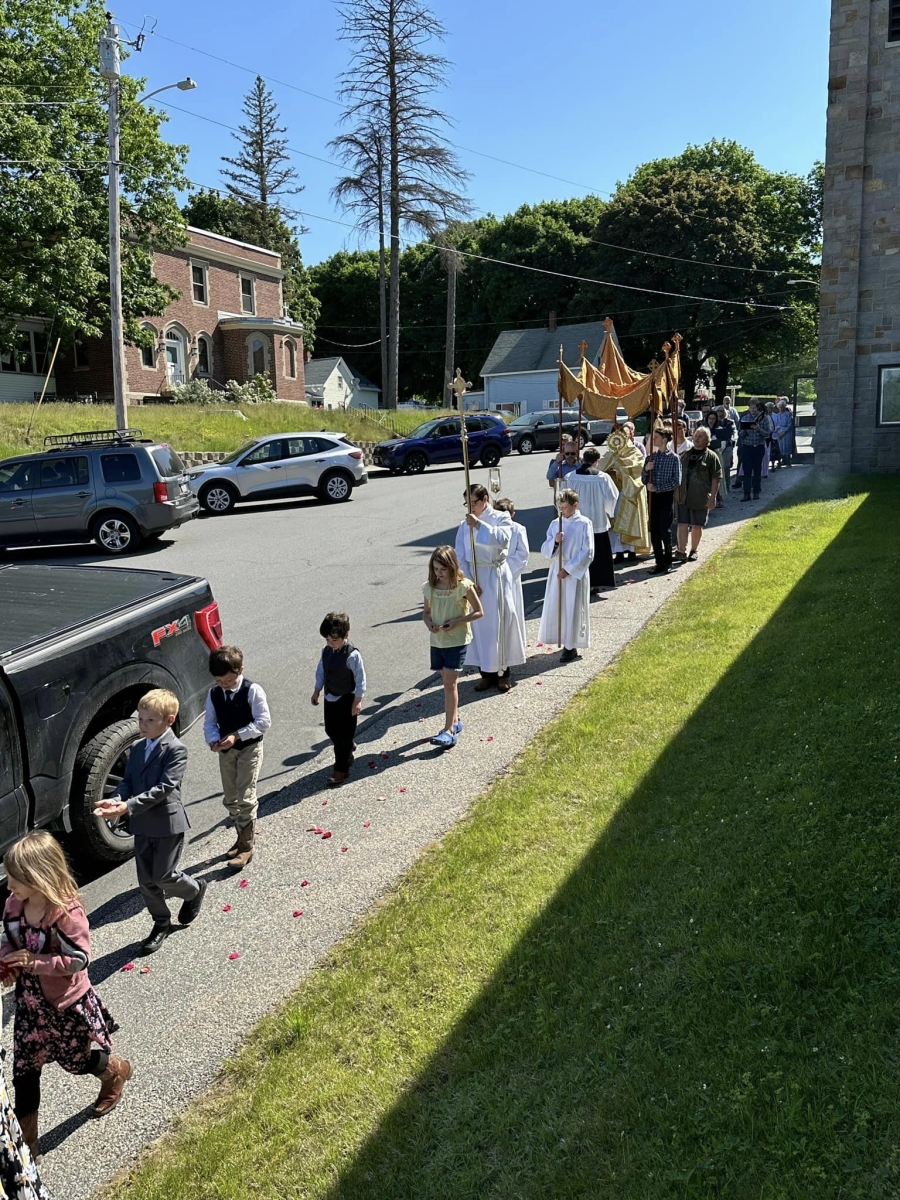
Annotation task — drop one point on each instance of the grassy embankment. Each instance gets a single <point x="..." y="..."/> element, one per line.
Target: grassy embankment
<point x="660" y="957"/>
<point x="192" y="427"/>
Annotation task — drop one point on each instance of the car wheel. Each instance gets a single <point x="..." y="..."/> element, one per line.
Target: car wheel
<point x="415" y="463"/>
<point x="218" y="498"/>
<point x="335" y="487"/>
<point x="99" y="767"/>
<point x="490" y="456"/>
<point x="526" y="445"/>
<point x="116" y="533"/>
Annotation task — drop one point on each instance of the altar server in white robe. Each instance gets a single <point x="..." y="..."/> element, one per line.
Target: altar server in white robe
<point x="597" y="499"/>
<point x="498" y="639"/>
<point x="518" y="557"/>
<point x="571" y="565"/>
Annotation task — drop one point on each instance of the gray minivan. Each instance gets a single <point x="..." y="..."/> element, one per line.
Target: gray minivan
<point x="103" y="485"/>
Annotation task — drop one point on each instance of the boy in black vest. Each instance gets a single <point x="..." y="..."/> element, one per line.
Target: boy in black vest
<point x="237" y="717"/>
<point x="342" y="676"/>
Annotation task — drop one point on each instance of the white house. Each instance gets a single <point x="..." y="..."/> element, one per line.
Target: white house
<point x="521" y="369"/>
<point x="23" y="369"/>
<point x="332" y="383"/>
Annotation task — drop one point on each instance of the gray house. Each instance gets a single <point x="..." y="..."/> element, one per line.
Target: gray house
<point x="520" y="373"/>
<point x="333" y="383"/>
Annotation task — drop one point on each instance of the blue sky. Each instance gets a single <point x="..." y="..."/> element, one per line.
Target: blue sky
<point x="584" y="91"/>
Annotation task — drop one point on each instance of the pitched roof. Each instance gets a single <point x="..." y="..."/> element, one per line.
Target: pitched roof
<point x="318" y="371"/>
<point x="538" y="349"/>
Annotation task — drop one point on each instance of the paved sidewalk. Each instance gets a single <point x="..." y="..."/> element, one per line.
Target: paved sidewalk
<point x="183" y="1018"/>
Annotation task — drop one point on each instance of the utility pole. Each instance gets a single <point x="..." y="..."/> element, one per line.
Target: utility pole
<point x="450" y="345"/>
<point x="109" y="69"/>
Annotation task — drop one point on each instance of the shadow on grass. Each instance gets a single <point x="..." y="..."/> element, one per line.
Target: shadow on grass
<point x="708" y="1006"/>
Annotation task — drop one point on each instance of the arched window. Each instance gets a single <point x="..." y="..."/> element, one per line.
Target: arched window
<point x="204" y="355"/>
<point x="257" y="355"/>
<point x="148" y="353"/>
<point x="176" y="356"/>
<point x="290" y="358"/>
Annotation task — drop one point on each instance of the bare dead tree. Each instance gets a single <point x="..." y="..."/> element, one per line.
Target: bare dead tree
<point x="401" y="166"/>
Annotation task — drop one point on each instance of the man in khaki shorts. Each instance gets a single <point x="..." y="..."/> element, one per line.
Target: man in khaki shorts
<point x="237" y="717"/>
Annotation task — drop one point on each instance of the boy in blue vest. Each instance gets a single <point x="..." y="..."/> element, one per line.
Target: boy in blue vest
<point x="341" y="675"/>
<point x="237" y="718"/>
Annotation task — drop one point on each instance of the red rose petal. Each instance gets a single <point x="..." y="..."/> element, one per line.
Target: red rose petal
<point x="298" y="912"/>
<point x="366" y="824"/>
<point x="127" y="967"/>
<point x="304" y="883"/>
<point x="233" y="955"/>
<point x="539" y="682"/>
<point x="144" y="971"/>
<point x="226" y="908"/>
<point x="324" y="802"/>
<point x="490" y="739"/>
<point x="244" y="883"/>
<point x="401" y="790"/>
<point x="326" y="835"/>
<point x="540" y="643"/>
<point x="344" y="849"/>
<point x="372" y="766"/>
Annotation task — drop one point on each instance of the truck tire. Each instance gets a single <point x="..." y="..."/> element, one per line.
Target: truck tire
<point x="98" y="768"/>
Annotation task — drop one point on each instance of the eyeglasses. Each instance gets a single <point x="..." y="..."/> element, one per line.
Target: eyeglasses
<point x="570" y="454"/>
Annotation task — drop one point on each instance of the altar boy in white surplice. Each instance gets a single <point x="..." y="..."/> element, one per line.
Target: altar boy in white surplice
<point x="570" y="564"/>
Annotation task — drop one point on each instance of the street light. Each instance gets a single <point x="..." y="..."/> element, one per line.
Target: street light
<point x="813" y="282"/>
<point x="109" y="69"/>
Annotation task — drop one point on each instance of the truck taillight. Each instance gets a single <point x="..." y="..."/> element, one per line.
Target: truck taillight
<point x="209" y="625"/>
<point x="160" y="493"/>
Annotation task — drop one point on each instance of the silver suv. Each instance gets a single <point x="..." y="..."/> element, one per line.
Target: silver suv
<point x="103" y="485"/>
<point x="327" y="465"/>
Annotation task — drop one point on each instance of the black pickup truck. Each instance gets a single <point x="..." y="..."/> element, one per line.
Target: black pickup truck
<point x="79" y="646"/>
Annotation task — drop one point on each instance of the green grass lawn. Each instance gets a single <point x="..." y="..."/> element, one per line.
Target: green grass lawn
<point x="192" y="427"/>
<point x="659" y="959"/>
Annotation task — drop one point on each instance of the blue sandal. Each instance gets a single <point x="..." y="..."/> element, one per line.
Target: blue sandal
<point x="444" y="739"/>
<point x="458" y="727"/>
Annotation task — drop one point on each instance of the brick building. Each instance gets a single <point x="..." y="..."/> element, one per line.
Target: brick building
<point x="227" y="324"/>
<point x="858" y="408"/>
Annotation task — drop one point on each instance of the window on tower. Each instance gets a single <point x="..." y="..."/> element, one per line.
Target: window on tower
<point x="894" y="21"/>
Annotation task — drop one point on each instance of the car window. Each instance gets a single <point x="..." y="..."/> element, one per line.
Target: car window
<point x="448" y="429"/>
<point x="120" y="468"/>
<point x="267" y="452"/>
<point x="167" y="461"/>
<point x="17" y="476"/>
<point x="65" y="472"/>
<point x="527" y="419"/>
<point x="323" y="445"/>
<point x="475" y="424"/>
<point x="236" y="454"/>
<point x="425" y="430"/>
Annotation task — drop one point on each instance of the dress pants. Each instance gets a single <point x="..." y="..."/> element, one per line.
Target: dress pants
<point x="156" y="859"/>
<point x="239" y="768"/>
<point x="340" y="727"/>
<point x="752" y="461"/>
<point x="661" y="505"/>
<point x="602" y="573"/>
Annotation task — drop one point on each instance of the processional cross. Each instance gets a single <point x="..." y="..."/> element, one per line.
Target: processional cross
<point x="459" y="387"/>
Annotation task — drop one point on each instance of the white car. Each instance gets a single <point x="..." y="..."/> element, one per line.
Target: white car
<point x="327" y="465"/>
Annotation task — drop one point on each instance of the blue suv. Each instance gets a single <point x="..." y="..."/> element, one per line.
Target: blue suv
<point x="439" y="441"/>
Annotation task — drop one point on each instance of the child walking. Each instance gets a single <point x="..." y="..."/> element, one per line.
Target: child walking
<point x="340" y="673"/>
<point x="150" y="796"/>
<point x="451" y="605"/>
<point x="237" y="718"/>
<point x="45" y="951"/>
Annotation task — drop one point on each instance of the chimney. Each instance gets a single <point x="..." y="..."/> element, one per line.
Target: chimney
<point x="553" y="321"/>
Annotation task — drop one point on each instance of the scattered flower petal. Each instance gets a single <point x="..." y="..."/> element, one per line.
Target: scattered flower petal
<point x="385" y="754"/>
<point x="366" y="824"/>
<point x="298" y="912"/>
<point x="144" y="971"/>
<point x="372" y="765"/>
<point x="226" y="908"/>
<point x="489" y="739"/>
<point x="539" y="682"/>
<point x="244" y="883"/>
<point x="233" y="955"/>
<point x="127" y="967"/>
<point x="540" y="643"/>
<point x="304" y="883"/>
<point x="326" y="835"/>
<point x="344" y="849"/>
<point x="313" y="829"/>
<point x="401" y="790"/>
<point x="324" y="802"/>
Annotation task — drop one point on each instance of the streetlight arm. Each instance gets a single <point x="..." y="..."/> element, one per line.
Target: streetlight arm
<point x="183" y="85"/>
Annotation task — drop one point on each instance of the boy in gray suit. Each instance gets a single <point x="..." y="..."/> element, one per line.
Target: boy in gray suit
<point x="150" y="796"/>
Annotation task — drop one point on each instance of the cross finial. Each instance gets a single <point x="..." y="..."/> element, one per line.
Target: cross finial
<point x="460" y="386"/>
<point x="608" y="324"/>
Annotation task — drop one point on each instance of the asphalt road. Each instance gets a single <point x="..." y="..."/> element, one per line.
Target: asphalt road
<point x="278" y="567"/>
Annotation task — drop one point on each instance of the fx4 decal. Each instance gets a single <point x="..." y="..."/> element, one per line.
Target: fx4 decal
<point x="173" y="629"/>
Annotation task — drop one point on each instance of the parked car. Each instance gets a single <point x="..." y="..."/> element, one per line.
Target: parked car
<point x="327" y="465"/>
<point x="440" y="441"/>
<point x="105" y="485"/>
<point x="79" y="646"/>
<point x="540" y="430"/>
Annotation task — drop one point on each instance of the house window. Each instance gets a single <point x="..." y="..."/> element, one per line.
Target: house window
<point x="258" y="356"/>
<point x="79" y="354"/>
<point x="248" y="297"/>
<point x="894" y="21"/>
<point x="290" y="358"/>
<point x="198" y="283"/>
<point x="148" y="353"/>
<point x="176" y="358"/>
<point x="41" y="352"/>
<point x="889" y="395"/>
<point x="27" y="354"/>
<point x="204" y="356"/>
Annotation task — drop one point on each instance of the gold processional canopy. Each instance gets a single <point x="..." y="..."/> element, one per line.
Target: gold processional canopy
<point x="613" y="385"/>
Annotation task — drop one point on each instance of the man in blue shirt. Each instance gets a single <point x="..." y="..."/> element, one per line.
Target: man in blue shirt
<point x="662" y="475"/>
<point x="755" y="428"/>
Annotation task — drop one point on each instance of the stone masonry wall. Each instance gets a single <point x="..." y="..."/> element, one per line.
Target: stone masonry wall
<point x="860" y="297"/>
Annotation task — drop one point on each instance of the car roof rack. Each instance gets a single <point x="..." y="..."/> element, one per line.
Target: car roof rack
<point x="93" y="437"/>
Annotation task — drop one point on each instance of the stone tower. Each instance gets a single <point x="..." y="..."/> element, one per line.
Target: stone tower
<point x="858" y="411"/>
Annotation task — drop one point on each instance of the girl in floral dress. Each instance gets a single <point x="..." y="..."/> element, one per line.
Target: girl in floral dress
<point x="45" y="950"/>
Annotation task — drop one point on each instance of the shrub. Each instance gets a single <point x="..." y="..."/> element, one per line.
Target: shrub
<point x="258" y="391"/>
<point x="195" y="391"/>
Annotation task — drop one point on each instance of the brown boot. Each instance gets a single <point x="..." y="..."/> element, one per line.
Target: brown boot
<point x="246" y="838"/>
<point x="488" y="681"/>
<point x="112" y="1081"/>
<point x="29" y="1127"/>
<point x="336" y="778"/>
